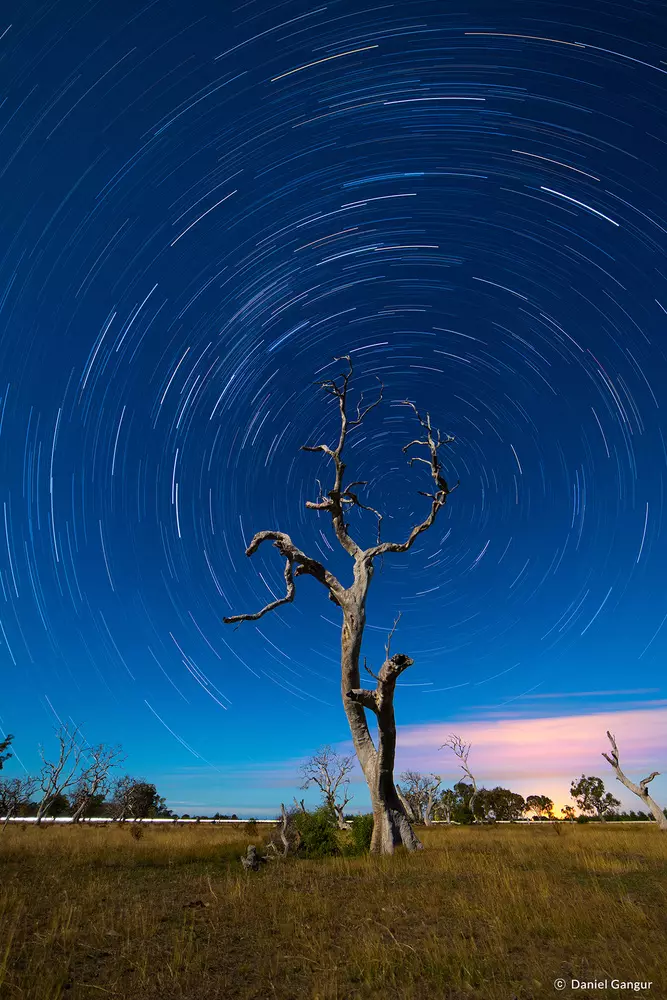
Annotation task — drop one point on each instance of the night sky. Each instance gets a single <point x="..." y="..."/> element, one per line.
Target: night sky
<point x="203" y="204"/>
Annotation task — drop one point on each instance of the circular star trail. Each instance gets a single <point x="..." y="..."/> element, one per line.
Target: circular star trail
<point x="202" y="207"/>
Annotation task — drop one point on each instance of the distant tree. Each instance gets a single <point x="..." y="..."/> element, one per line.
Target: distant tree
<point x="641" y="789"/>
<point x="4" y="748"/>
<point x="95" y="778"/>
<point x="328" y="770"/>
<point x="59" y="805"/>
<point x="462" y="813"/>
<point x="420" y="792"/>
<point x="15" y="794"/>
<point x="461" y="750"/>
<point x="446" y="804"/>
<point x="568" y="813"/>
<point x="590" y="797"/>
<point x="541" y="805"/>
<point x="61" y="774"/>
<point x="499" y="804"/>
<point x="135" y="799"/>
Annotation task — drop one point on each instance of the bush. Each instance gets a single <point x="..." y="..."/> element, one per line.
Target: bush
<point x="318" y="834"/>
<point x="361" y="832"/>
<point x="583" y="819"/>
<point x="251" y="826"/>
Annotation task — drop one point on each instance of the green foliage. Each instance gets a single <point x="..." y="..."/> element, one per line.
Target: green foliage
<point x="589" y="794"/>
<point x="361" y="833"/>
<point x="462" y="814"/>
<point x="58" y="806"/>
<point x="583" y="819"/>
<point x="541" y="805"/>
<point x="318" y="834"/>
<point x="4" y="746"/>
<point x="499" y="804"/>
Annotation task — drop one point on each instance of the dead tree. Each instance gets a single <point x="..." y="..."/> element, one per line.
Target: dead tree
<point x="407" y="805"/>
<point x="461" y="750"/>
<point x="420" y="790"/>
<point x="15" y="793"/>
<point x="391" y="825"/>
<point x="94" y="780"/>
<point x="329" y="770"/>
<point x="60" y="774"/>
<point x="641" y="789"/>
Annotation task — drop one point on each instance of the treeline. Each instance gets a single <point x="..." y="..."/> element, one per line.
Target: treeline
<point x="83" y="781"/>
<point x="80" y="780"/>
<point x="425" y="802"/>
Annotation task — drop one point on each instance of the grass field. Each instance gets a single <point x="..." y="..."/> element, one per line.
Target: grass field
<point x="494" y="913"/>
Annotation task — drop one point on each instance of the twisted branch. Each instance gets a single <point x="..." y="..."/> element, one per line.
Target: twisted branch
<point x="438" y="498"/>
<point x="304" y="565"/>
<point x="340" y="498"/>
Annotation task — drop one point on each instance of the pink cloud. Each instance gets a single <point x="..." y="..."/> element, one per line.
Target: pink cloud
<point x="543" y="755"/>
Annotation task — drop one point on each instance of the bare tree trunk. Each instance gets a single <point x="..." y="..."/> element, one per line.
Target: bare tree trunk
<point x="76" y="816"/>
<point x="407" y="808"/>
<point x="391" y="826"/>
<point x="340" y="818"/>
<point x="641" y="789"/>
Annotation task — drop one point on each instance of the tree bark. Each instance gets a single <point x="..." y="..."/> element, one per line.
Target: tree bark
<point x="391" y="826"/>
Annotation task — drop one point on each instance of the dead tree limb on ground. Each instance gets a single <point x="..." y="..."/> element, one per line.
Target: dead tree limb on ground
<point x="641" y="789"/>
<point x="391" y="826"/>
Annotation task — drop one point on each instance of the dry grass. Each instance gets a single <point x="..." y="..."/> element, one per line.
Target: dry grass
<point x="495" y="913"/>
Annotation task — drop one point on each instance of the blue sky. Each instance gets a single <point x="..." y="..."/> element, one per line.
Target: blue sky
<point x="201" y="210"/>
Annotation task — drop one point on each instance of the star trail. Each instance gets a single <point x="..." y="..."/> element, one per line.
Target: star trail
<point x="202" y="205"/>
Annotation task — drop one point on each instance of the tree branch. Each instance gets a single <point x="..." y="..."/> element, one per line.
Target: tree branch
<point x="438" y="499"/>
<point x="362" y="696"/>
<point x="305" y="565"/>
<point x="383" y="692"/>
<point x="338" y="498"/>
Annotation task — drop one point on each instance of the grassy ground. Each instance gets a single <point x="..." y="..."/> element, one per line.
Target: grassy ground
<point x="494" y="913"/>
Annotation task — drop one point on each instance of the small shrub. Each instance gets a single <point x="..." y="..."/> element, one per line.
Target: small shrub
<point x="136" y="831"/>
<point x="361" y="833"/>
<point x="318" y="834"/>
<point x="251" y="826"/>
<point x="583" y="819"/>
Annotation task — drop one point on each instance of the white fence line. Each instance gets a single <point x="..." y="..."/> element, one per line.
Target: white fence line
<point x="438" y="822"/>
<point x="108" y="819"/>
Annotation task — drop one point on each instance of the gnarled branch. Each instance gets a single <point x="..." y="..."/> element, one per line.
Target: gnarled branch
<point x="305" y="565"/>
<point x="383" y="693"/>
<point x="438" y="498"/>
<point x="338" y="499"/>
